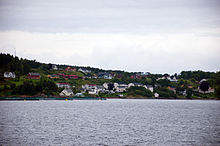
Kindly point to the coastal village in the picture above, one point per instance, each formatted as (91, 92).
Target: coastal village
(86, 81)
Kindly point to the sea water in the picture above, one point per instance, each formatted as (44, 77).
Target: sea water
(110, 122)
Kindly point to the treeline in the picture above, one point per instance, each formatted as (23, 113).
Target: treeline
(23, 66)
(197, 75)
(14, 64)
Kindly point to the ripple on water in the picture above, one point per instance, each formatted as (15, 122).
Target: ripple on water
(111, 122)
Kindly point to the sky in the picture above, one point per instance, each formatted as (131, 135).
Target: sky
(157, 36)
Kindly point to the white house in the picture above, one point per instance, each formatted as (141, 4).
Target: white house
(93, 92)
(105, 85)
(149, 87)
(94, 89)
(145, 73)
(121, 87)
(105, 75)
(173, 79)
(79, 95)
(109, 76)
(135, 84)
(9, 75)
(84, 70)
(67, 92)
(116, 85)
(100, 89)
(89, 87)
(63, 85)
(183, 93)
(54, 67)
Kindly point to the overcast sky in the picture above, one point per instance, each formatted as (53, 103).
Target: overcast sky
(159, 36)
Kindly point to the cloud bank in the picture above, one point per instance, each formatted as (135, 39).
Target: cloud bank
(157, 53)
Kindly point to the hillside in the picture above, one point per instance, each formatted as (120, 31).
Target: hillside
(98, 82)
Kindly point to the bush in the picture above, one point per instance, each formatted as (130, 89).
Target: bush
(164, 92)
(139, 91)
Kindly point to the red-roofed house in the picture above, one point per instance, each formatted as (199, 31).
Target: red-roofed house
(71, 76)
(54, 76)
(33, 75)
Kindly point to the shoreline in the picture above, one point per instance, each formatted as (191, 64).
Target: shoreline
(164, 98)
(25, 97)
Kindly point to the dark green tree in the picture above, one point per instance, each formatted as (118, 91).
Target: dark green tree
(139, 91)
(164, 92)
(110, 86)
(164, 82)
(48, 86)
(12, 86)
(204, 86)
(189, 93)
(216, 80)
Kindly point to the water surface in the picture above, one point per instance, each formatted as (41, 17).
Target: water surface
(110, 122)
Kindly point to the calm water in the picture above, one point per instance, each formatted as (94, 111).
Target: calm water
(111, 122)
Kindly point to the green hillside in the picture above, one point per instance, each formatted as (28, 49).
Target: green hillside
(185, 86)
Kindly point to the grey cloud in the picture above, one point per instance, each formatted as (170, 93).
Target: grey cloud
(124, 17)
(103, 16)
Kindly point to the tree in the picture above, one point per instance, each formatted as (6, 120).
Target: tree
(48, 86)
(27, 68)
(139, 91)
(189, 93)
(204, 85)
(153, 81)
(110, 86)
(27, 88)
(197, 75)
(216, 81)
(164, 92)
(164, 82)
(12, 86)
(50, 66)
(5, 87)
